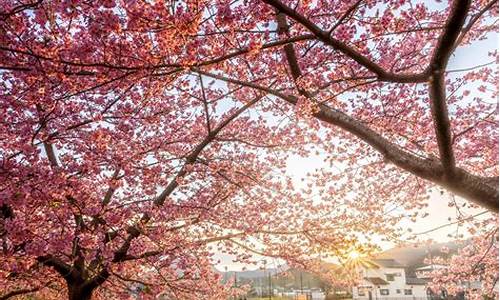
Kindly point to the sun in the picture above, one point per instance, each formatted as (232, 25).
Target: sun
(354, 255)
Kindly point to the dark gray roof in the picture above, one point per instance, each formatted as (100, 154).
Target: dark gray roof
(416, 281)
(388, 263)
(376, 280)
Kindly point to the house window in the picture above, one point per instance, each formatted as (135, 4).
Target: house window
(389, 277)
(408, 292)
(398, 291)
(361, 292)
(384, 292)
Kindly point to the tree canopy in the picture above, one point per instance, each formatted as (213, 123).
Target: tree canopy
(138, 138)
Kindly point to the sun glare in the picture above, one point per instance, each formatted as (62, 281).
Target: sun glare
(353, 255)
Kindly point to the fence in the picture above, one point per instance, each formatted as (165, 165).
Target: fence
(399, 298)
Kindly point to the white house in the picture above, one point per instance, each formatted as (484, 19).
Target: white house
(386, 279)
(426, 271)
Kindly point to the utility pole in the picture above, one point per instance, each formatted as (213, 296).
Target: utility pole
(235, 282)
(270, 287)
(265, 269)
(301, 285)
(260, 286)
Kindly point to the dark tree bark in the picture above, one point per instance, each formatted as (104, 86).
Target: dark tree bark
(80, 286)
(79, 292)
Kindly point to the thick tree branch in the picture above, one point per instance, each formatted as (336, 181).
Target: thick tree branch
(48, 147)
(111, 190)
(325, 37)
(480, 190)
(448, 37)
(121, 253)
(473, 21)
(97, 280)
(437, 87)
(441, 120)
(61, 267)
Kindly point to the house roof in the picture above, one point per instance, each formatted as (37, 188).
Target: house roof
(388, 263)
(376, 280)
(416, 281)
(430, 267)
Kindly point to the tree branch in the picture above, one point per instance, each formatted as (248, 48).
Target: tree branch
(472, 21)
(22, 292)
(111, 190)
(191, 158)
(481, 190)
(61, 267)
(325, 37)
(437, 88)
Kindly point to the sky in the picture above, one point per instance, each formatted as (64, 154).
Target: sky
(435, 225)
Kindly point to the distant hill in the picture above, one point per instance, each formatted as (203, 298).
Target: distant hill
(253, 274)
(414, 255)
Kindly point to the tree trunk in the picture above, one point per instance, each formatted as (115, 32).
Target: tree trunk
(79, 292)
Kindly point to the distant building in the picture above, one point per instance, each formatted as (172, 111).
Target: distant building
(386, 279)
(426, 271)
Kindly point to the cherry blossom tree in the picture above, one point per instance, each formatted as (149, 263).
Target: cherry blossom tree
(474, 269)
(139, 137)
